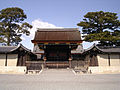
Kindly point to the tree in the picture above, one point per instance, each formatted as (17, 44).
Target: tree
(12, 26)
(101, 26)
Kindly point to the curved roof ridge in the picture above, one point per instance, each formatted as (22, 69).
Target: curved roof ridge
(14, 48)
(22, 47)
(94, 45)
(25, 48)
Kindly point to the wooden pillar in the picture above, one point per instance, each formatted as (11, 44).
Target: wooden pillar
(44, 61)
(44, 58)
(109, 59)
(6, 60)
(70, 62)
(119, 59)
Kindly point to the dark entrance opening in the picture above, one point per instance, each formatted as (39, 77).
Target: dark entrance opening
(57, 53)
(57, 56)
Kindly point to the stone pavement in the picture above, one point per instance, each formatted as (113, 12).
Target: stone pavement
(60, 79)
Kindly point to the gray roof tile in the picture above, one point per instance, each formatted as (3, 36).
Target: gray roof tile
(4, 49)
(106, 49)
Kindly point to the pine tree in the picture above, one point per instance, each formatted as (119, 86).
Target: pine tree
(101, 26)
(12, 26)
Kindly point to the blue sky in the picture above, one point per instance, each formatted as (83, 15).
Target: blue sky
(59, 13)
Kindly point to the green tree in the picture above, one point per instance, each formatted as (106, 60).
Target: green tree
(101, 26)
(12, 26)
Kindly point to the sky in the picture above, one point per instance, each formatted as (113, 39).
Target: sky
(58, 13)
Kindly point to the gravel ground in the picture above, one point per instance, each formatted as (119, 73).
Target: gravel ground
(60, 79)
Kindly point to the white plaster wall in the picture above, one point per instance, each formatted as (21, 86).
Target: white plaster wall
(12, 59)
(2, 59)
(102, 59)
(114, 60)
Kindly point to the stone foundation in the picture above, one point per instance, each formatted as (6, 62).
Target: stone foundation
(12, 70)
(104, 69)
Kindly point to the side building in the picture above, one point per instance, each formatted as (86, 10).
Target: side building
(102, 59)
(13, 59)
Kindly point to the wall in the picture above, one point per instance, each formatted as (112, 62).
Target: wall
(12, 59)
(104, 66)
(11, 67)
(114, 60)
(2, 59)
(103, 60)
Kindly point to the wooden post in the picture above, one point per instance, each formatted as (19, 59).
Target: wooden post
(6, 60)
(44, 58)
(70, 62)
(119, 58)
(109, 59)
(44, 62)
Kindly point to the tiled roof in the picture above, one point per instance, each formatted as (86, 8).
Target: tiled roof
(61, 34)
(7, 48)
(110, 49)
(105, 49)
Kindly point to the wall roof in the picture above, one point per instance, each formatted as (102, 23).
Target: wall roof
(7, 48)
(10, 49)
(104, 49)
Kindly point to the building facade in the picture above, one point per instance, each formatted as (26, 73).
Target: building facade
(54, 46)
(59, 48)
